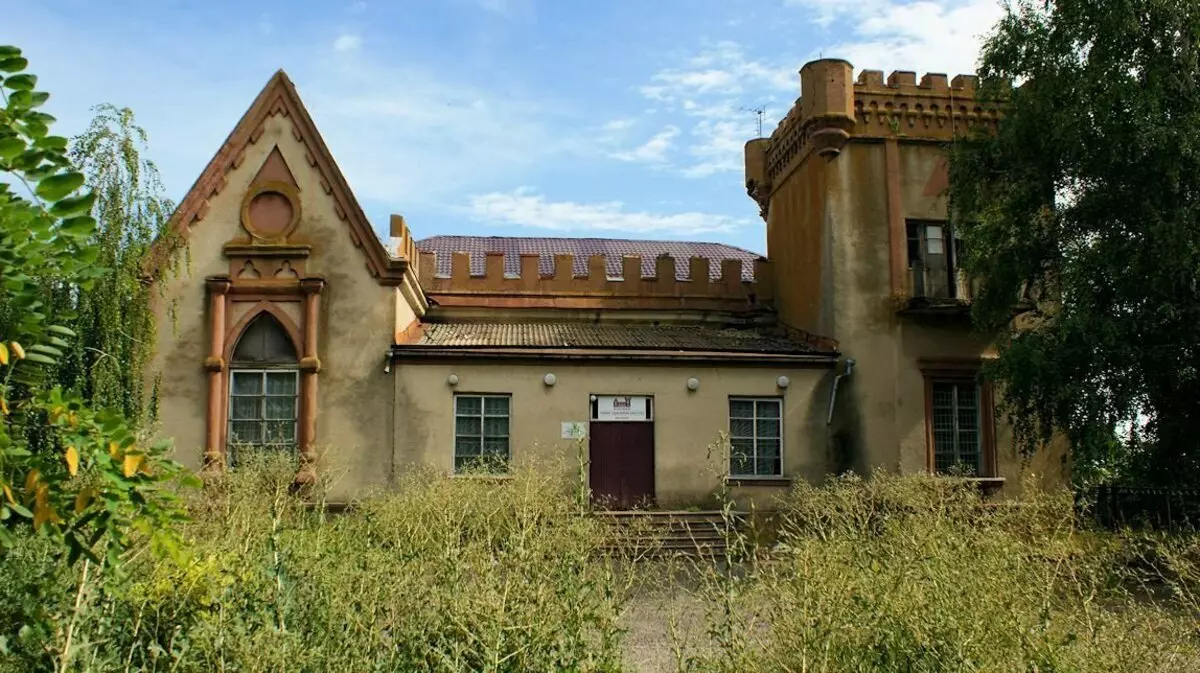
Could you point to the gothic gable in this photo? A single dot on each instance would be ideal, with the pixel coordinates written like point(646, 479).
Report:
point(270, 208)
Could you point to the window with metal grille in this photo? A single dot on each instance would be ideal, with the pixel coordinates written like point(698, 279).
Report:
point(755, 437)
point(263, 388)
point(481, 433)
point(957, 427)
point(262, 408)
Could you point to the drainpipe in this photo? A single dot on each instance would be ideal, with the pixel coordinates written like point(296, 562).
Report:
point(387, 369)
point(849, 369)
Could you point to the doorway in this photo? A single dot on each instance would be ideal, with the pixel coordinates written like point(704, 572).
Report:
point(621, 451)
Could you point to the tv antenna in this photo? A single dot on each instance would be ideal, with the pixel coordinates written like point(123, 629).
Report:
point(759, 112)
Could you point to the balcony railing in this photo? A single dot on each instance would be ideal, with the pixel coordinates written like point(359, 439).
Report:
point(927, 283)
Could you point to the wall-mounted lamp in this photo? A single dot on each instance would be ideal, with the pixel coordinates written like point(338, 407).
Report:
point(549, 379)
point(693, 383)
point(452, 379)
point(783, 382)
point(591, 398)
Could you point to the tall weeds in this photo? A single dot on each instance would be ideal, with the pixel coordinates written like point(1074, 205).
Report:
point(903, 574)
point(920, 574)
point(439, 575)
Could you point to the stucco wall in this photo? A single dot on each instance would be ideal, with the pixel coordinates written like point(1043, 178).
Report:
point(686, 423)
point(356, 323)
point(797, 245)
point(864, 320)
point(881, 408)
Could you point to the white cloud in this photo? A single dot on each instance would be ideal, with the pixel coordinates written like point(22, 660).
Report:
point(410, 135)
point(619, 125)
point(653, 150)
point(921, 35)
point(720, 147)
point(722, 70)
point(524, 207)
point(712, 94)
point(347, 42)
point(715, 89)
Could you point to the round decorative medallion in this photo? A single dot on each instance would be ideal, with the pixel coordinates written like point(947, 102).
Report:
point(271, 210)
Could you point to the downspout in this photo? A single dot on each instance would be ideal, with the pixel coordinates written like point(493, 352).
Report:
point(849, 369)
point(387, 369)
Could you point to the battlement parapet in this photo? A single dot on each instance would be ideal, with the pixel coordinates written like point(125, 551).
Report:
point(401, 244)
point(834, 107)
point(596, 288)
point(936, 107)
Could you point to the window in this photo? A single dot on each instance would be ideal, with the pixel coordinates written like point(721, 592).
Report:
point(263, 388)
point(960, 423)
point(262, 408)
point(957, 430)
point(932, 263)
point(755, 437)
point(481, 433)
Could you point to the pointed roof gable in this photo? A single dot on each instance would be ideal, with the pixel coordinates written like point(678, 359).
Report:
point(279, 97)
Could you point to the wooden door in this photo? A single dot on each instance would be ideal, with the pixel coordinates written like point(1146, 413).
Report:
point(622, 463)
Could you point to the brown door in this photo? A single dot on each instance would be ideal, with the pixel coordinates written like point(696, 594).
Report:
point(622, 463)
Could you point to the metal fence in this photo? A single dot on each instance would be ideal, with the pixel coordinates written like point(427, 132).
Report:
point(1115, 507)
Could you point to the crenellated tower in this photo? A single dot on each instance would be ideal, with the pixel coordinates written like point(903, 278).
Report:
point(853, 186)
point(834, 107)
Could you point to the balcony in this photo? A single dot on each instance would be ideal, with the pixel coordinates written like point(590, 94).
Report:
point(940, 291)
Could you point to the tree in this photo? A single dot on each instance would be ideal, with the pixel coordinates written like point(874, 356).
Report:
point(1088, 196)
point(113, 321)
point(72, 473)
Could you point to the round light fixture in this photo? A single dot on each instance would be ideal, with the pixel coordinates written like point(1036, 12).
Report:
point(452, 379)
point(783, 382)
point(693, 383)
point(549, 379)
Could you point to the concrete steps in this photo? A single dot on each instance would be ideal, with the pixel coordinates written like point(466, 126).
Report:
point(655, 533)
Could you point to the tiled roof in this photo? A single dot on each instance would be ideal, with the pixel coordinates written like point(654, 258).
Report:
point(613, 249)
point(611, 336)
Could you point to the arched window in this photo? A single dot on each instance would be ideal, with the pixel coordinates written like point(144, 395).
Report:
point(263, 386)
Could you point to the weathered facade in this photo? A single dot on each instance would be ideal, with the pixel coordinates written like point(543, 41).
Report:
point(664, 367)
point(853, 187)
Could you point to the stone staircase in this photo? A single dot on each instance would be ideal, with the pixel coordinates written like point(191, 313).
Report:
point(658, 533)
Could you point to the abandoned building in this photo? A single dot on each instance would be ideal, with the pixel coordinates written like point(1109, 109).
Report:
point(666, 367)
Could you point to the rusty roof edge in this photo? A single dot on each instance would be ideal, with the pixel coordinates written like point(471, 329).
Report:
point(610, 355)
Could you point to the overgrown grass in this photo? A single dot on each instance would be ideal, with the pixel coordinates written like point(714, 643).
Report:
point(890, 574)
point(920, 574)
point(442, 574)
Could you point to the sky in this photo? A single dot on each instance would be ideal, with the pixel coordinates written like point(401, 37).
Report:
point(605, 118)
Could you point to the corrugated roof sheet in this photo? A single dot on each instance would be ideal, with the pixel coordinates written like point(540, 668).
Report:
point(611, 336)
point(613, 249)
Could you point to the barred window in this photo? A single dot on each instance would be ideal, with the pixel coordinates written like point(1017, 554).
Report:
point(957, 435)
point(755, 437)
point(263, 388)
point(262, 409)
point(481, 433)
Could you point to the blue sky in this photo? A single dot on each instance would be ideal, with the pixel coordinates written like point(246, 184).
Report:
point(615, 118)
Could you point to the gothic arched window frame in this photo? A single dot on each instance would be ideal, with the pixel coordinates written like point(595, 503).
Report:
point(264, 388)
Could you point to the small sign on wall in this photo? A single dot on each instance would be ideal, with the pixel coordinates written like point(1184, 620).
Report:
point(622, 408)
point(574, 430)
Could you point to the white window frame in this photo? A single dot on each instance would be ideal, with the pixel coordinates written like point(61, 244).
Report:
point(262, 420)
point(778, 401)
point(483, 436)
